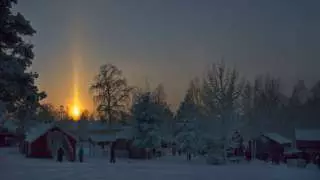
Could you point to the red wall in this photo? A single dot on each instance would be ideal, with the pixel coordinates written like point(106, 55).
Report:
point(121, 144)
point(39, 147)
point(308, 145)
point(271, 147)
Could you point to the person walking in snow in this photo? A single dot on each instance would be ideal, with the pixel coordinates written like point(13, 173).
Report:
point(188, 155)
point(154, 152)
point(80, 154)
point(60, 155)
point(112, 153)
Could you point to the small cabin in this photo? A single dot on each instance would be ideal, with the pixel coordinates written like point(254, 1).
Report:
point(122, 136)
point(104, 137)
point(272, 146)
point(44, 141)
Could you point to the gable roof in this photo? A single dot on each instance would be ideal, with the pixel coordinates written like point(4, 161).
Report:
point(37, 131)
point(277, 138)
point(40, 129)
point(97, 126)
point(103, 137)
point(125, 133)
point(307, 134)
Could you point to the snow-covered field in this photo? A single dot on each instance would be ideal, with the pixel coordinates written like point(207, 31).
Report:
point(15, 167)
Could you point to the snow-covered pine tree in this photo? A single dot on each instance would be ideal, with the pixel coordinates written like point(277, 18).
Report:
point(187, 137)
point(147, 132)
point(18, 91)
point(187, 127)
point(165, 114)
point(236, 143)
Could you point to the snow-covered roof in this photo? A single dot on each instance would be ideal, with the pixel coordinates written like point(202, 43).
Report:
point(125, 133)
point(37, 131)
point(97, 126)
point(307, 135)
point(41, 129)
point(103, 137)
point(277, 138)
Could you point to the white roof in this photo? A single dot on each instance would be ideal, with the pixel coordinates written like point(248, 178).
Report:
point(103, 137)
point(97, 126)
point(125, 133)
point(307, 135)
point(40, 130)
point(277, 138)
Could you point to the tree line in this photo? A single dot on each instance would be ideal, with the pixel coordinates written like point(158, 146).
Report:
point(214, 107)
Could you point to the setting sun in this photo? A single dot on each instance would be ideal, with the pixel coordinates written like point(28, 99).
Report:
point(75, 112)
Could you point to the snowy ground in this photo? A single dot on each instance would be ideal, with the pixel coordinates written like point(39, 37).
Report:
point(15, 167)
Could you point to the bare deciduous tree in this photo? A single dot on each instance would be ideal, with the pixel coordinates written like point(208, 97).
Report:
point(110, 92)
point(221, 95)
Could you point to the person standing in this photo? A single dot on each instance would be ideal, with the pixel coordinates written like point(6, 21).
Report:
point(318, 160)
point(112, 153)
point(60, 155)
point(80, 154)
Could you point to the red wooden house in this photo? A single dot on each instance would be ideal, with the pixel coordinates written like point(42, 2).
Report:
point(272, 146)
point(308, 141)
point(44, 141)
point(7, 134)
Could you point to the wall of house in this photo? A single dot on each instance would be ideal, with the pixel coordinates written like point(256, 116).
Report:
point(308, 145)
point(310, 148)
point(73, 143)
point(270, 147)
point(138, 153)
point(122, 144)
point(39, 148)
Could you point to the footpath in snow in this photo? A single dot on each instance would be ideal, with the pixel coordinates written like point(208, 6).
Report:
point(13, 166)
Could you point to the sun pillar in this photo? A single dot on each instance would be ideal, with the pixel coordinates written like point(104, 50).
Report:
point(75, 110)
point(76, 35)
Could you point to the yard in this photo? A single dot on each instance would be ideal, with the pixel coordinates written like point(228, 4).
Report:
point(13, 166)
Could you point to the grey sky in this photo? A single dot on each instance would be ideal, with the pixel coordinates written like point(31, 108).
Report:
point(171, 41)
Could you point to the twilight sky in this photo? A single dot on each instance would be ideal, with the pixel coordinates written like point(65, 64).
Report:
point(171, 41)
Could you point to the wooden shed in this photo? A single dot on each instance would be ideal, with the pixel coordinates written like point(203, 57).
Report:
point(44, 141)
point(271, 146)
point(308, 141)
